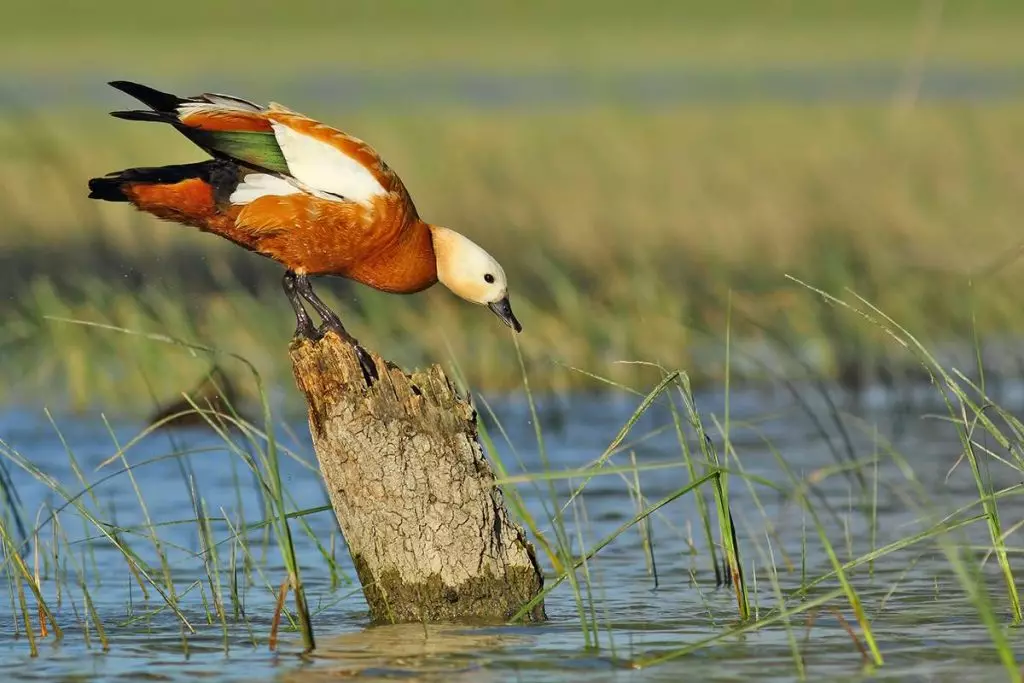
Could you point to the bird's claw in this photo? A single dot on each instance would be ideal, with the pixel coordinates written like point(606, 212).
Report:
point(307, 331)
point(368, 366)
point(366, 363)
point(339, 329)
point(297, 287)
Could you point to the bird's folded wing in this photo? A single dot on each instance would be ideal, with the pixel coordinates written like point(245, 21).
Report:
point(322, 160)
point(328, 160)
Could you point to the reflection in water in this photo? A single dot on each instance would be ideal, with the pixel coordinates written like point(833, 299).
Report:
point(412, 652)
point(214, 396)
point(409, 651)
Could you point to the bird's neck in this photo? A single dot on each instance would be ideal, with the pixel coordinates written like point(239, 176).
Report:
point(407, 265)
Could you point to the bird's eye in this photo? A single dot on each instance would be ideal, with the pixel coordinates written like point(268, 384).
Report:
point(489, 279)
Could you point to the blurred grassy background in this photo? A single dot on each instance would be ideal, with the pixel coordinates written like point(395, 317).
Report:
point(192, 36)
point(647, 173)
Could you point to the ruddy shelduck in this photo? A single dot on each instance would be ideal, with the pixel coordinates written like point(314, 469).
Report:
point(314, 199)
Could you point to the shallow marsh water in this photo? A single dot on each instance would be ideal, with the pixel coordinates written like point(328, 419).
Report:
point(926, 627)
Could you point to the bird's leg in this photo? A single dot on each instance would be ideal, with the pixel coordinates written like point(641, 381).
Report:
point(303, 323)
point(331, 321)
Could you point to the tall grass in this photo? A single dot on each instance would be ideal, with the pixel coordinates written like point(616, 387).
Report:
point(560, 525)
point(724, 200)
point(258, 449)
point(626, 235)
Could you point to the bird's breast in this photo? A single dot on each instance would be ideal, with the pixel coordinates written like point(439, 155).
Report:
point(405, 265)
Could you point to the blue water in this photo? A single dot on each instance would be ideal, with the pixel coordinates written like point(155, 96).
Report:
point(926, 627)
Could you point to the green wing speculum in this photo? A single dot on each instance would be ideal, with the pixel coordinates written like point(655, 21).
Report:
point(257, 148)
point(254, 148)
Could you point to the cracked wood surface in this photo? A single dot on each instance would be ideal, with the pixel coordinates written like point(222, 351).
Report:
point(426, 526)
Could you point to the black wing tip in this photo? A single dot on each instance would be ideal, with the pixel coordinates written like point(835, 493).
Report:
point(143, 115)
point(155, 99)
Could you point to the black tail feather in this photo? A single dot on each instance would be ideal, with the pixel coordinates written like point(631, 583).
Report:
point(222, 175)
point(108, 189)
point(111, 187)
point(155, 99)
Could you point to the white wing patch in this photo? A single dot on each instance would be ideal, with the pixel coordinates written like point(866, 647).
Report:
point(256, 185)
point(326, 168)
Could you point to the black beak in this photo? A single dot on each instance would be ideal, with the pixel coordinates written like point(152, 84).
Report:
point(503, 309)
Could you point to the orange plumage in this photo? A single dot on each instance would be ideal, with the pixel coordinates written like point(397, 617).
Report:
point(306, 195)
point(227, 121)
point(384, 245)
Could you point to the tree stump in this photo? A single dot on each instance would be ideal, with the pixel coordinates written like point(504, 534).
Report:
point(425, 524)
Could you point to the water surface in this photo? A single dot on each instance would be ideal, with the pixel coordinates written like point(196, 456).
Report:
point(926, 627)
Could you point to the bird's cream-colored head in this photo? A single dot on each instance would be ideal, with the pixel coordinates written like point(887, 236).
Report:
point(472, 273)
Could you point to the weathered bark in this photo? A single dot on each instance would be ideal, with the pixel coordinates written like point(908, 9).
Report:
point(427, 528)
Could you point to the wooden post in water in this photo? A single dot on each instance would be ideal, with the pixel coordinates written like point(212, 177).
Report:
point(425, 524)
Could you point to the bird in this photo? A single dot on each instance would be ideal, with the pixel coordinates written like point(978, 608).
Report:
point(313, 198)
